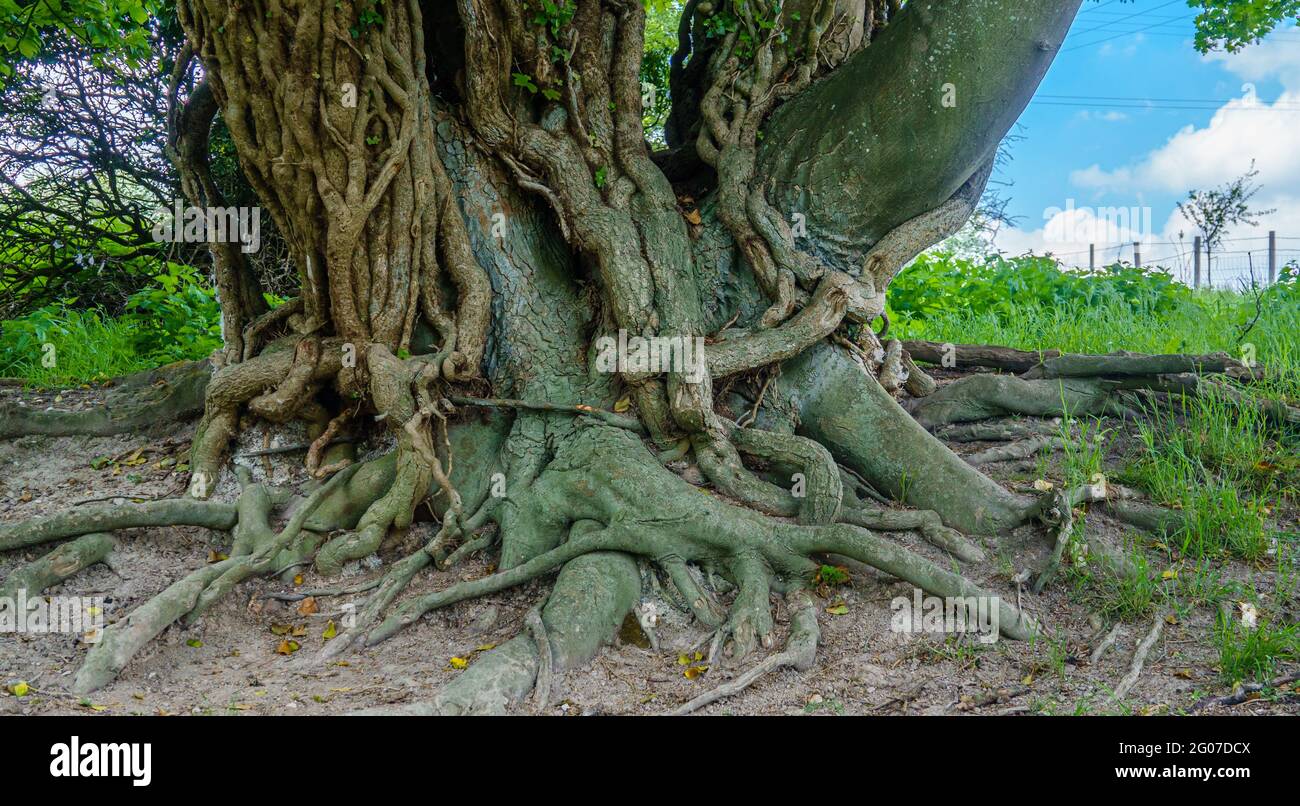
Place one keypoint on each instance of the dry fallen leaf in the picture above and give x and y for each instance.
(287, 647)
(694, 671)
(622, 405)
(307, 606)
(280, 629)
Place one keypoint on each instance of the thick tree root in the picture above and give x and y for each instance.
(591, 597)
(976, 355)
(999, 431)
(109, 517)
(924, 521)
(121, 641)
(980, 397)
(1139, 660)
(58, 565)
(692, 529)
(136, 403)
(846, 410)
(800, 654)
(1016, 450)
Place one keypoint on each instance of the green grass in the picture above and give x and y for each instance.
(175, 318)
(1254, 654)
(1219, 464)
(1119, 597)
(64, 347)
(1218, 461)
(1234, 475)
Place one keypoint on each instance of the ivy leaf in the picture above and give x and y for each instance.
(524, 80)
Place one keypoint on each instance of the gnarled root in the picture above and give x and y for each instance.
(57, 566)
(137, 402)
(681, 525)
(590, 598)
(800, 653)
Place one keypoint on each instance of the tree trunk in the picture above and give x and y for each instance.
(479, 249)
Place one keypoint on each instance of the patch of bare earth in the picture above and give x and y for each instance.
(232, 661)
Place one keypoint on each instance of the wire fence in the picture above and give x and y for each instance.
(1234, 263)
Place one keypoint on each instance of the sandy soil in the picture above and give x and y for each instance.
(228, 662)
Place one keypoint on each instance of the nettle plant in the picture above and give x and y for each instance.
(809, 154)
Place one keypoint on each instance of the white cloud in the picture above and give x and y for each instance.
(1245, 129)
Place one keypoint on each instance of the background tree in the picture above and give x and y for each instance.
(472, 210)
(1217, 210)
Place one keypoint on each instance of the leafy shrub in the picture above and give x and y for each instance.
(177, 318)
(174, 318)
(940, 283)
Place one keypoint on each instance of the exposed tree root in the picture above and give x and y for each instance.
(110, 517)
(800, 654)
(976, 355)
(999, 431)
(692, 529)
(1106, 644)
(136, 403)
(1016, 450)
(590, 598)
(1243, 692)
(1139, 660)
(58, 565)
(611, 497)
(928, 523)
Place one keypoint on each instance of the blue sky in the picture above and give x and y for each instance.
(1130, 116)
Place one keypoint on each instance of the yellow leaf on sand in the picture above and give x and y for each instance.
(694, 671)
(280, 629)
(297, 579)
(838, 609)
(623, 405)
(459, 663)
(299, 631)
(287, 647)
(20, 689)
(307, 606)
(330, 630)
(682, 660)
